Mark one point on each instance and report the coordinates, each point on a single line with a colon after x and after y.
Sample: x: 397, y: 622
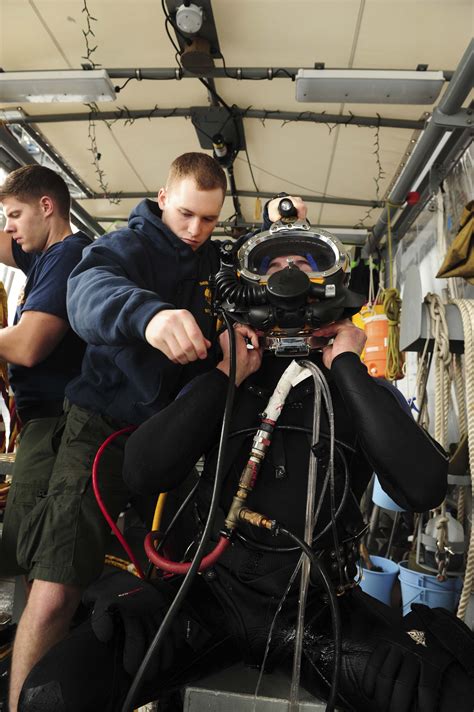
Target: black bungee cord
x: 129, y: 703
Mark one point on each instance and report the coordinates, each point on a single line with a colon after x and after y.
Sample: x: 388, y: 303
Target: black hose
x: 129, y: 704
x: 229, y: 287
x: 322, y: 575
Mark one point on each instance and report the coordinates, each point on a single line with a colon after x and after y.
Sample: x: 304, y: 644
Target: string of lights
x: 89, y: 33
x: 379, y: 176
x: 113, y: 198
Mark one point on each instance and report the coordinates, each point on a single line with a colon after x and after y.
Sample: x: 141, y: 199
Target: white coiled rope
x: 466, y: 309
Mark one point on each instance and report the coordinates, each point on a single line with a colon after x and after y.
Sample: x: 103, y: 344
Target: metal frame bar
x: 261, y: 114
x: 236, y: 73
x: 456, y: 93
x: 448, y: 157
x: 263, y: 194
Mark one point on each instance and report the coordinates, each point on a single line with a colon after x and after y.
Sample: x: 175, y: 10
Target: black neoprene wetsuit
x: 230, y: 608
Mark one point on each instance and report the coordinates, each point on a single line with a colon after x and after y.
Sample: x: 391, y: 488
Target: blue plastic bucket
x: 381, y: 499
x: 379, y: 583
x: 422, y: 588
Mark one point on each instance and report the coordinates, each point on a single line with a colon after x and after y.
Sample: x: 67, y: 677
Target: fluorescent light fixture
x: 62, y: 85
x: 11, y: 115
x: 367, y: 86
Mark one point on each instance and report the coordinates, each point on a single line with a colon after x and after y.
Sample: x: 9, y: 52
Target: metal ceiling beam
x: 262, y: 114
x: 236, y: 73
x: 230, y: 223
x: 84, y: 221
x: 457, y: 91
x: 457, y: 143
x: 331, y: 200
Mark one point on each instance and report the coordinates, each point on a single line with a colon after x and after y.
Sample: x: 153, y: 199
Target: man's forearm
x: 15, y: 349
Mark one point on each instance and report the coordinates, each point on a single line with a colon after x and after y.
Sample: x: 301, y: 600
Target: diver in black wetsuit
x: 420, y: 663
x: 230, y: 608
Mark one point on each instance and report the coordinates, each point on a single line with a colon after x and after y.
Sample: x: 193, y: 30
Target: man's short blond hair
x: 205, y: 170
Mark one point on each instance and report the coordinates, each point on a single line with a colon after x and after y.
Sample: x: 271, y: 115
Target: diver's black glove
x: 414, y: 669
x: 132, y: 610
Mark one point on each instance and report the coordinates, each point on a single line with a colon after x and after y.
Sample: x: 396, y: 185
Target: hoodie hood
x: 146, y: 218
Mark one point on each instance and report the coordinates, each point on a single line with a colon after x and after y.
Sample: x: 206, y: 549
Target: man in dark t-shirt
x: 43, y: 354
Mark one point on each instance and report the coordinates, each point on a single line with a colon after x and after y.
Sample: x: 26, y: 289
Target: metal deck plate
x: 232, y: 690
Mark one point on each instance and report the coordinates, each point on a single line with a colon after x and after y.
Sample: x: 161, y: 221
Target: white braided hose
x: 466, y: 309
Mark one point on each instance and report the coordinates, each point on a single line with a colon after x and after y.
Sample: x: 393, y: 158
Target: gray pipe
x: 261, y: 194
x: 262, y: 114
x: 457, y: 91
x: 237, y: 73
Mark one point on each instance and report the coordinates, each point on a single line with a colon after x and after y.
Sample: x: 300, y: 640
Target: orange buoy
x: 375, y: 355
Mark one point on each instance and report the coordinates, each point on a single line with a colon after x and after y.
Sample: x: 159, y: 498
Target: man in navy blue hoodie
x: 139, y: 301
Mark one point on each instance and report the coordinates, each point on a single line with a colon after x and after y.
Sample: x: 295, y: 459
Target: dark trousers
x: 383, y: 669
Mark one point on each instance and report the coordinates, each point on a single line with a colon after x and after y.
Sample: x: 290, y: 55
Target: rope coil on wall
x: 466, y: 309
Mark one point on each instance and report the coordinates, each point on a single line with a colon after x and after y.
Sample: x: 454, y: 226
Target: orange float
x: 375, y: 354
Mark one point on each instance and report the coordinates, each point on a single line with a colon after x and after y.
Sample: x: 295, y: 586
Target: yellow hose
x: 160, y: 505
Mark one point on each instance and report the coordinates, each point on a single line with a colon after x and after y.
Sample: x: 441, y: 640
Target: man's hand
x: 175, y: 332
x: 274, y: 215
x: 248, y: 359
x: 347, y: 337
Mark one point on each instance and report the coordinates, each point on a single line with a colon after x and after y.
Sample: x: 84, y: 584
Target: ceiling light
x: 12, y: 114
x: 189, y: 18
x: 58, y: 85
x: 368, y: 86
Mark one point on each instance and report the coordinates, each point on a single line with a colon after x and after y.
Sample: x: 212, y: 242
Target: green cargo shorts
x: 53, y: 528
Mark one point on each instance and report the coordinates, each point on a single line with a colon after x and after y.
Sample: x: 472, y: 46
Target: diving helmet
x: 285, y: 283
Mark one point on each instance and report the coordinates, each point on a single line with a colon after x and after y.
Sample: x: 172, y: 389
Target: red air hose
x: 103, y: 509
x: 175, y: 567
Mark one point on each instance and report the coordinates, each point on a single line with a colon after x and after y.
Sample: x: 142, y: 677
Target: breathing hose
x: 229, y: 287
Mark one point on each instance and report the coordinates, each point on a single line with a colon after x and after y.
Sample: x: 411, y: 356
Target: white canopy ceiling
x: 300, y: 157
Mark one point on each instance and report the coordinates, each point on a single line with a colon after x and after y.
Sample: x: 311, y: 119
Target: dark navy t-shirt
x: 45, y: 291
